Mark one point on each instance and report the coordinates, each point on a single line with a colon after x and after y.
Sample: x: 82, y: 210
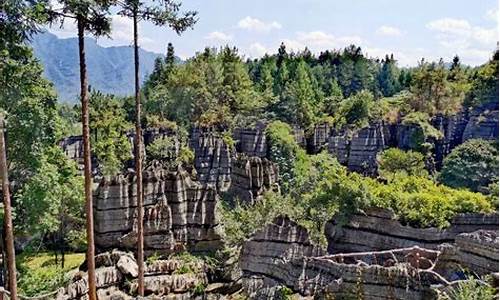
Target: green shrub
x: 472, y: 165
x: 393, y: 161
x: 470, y: 289
x: 39, y: 273
x: 424, y: 131
x: 421, y: 203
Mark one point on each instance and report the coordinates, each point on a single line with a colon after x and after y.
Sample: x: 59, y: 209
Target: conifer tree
x: 160, y: 13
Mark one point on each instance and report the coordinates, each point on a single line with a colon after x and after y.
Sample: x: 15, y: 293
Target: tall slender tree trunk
x: 9, y: 234
x: 138, y: 164
x: 87, y: 161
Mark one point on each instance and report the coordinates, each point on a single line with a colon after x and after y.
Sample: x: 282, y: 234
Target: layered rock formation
x: 482, y: 123
x: 378, y: 229
x: 319, y: 137
x: 251, y: 141
x: 478, y: 251
x: 251, y: 177
x: 359, y: 152
x: 212, y: 158
x: 116, y: 277
x: 179, y: 213
x: 280, y: 260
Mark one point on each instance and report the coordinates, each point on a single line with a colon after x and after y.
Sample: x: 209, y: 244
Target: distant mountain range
x: 111, y: 69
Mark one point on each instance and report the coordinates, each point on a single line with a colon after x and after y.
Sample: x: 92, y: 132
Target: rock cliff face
x: 251, y: 141
x: 319, y: 138
x: 280, y: 260
x: 359, y: 152
x: 251, y: 177
x: 377, y: 229
x: 212, y: 158
x: 478, y: 251
x: 482, y: 123
x: 179, y: 213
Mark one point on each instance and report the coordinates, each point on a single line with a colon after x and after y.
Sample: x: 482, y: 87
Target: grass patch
x: 39, y: 273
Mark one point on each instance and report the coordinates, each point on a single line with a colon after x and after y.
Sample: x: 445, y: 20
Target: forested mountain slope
x: 111, y: 69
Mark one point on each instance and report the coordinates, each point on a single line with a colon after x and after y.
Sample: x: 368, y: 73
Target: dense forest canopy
x: 220, y: 90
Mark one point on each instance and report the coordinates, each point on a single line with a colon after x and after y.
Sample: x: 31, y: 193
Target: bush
x: 395, y: 161
x: 470, y: 289
x: 424, y: 132
x: 419, y: 202
x: 472, y: 165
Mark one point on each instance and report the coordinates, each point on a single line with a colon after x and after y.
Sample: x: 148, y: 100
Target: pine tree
x: 91, y: 16
x: 166, y: 14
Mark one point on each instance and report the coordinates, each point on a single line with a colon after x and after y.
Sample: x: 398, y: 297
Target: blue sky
x: 409, y: 29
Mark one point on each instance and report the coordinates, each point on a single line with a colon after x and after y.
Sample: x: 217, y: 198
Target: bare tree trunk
x: 9, y: 234
x: 138, y: 165
x: 87, y: 161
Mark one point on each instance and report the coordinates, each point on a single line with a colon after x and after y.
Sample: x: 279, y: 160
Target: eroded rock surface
x: 212, y: 158
x: 281, y: 259
x: 251, y: 177
x: 378, y: 229
x: 165, y: 279
x: 179, y: 212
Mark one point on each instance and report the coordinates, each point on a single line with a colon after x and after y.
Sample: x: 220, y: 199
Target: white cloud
x: 460, y: 32
x: 389, y: 31
x: 318, y: 41
x: 257, y: 50
x: 218, y: 36
x: 492, y: 14
x: 254, y: 24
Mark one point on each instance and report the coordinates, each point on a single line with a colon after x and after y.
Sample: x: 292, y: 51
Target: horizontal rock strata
x: 179, y: 213
x: 281, y: 258
x: 378, y: 229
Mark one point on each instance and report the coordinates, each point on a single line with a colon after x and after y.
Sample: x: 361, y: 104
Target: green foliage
x: 109, y: 128
x: 284, y: 150
x: 199, y: 289
x: 39, y: 273
x: 190, y: 263
x: 484, y: 87
x: 284, y: 293
x: 210, y: 89
x: 241, y: 221
x: 395, y: 161
x: 433, y: 93
x: 355, y: 111
x: 472, y: 165
x: 423, y: 132
x: 388, y: 77
x: 470, y: 289
x: 420, y: 202
x: 170, y: 152
x: 52, y: 199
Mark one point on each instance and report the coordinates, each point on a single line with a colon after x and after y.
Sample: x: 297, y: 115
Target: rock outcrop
x: 173, y: 277
x: 319, y: 137
x: 251, y: 141
x: 378, y: 229
x: 280, y: 260
x: 251, y: 177
x: 478, y: 251
x: 179, y: 213
x: 212, y: 158
x: 482, y: 123
x: 359, y: 152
